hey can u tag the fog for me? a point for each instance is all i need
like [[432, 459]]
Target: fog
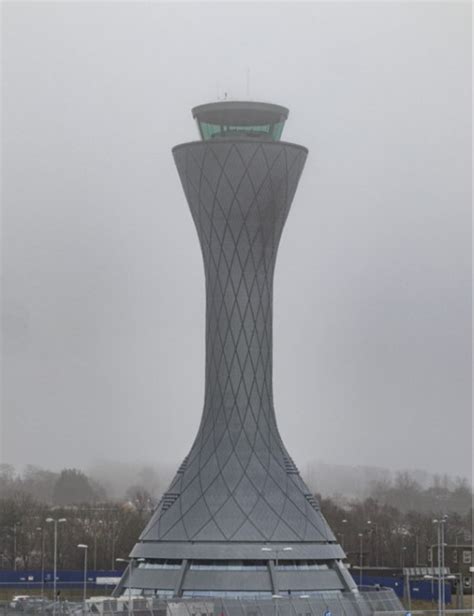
[[103, 284]]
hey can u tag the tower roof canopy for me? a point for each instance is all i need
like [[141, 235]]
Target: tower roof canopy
[[234, 119]]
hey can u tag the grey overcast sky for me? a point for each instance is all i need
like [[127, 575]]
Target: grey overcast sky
[[103, 286]]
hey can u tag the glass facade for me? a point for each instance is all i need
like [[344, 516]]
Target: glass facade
[[229, 565], [230, 594], [160, 564], [221, 131], [233, 565], [301, 565]]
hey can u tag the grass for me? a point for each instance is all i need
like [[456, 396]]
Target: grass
[[432, 605]]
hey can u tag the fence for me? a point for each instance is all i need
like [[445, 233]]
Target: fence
[[320, 604], [427, 613]]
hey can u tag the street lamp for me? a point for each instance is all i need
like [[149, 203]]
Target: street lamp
[[276, 551], [402, 556], [407, 588], [343, 522], [41, 529], [373, 529], [443, 552], [55, 554], [96, 524], [361, 554], [113, 540], [83, 546], [440, 525], [15, 526], [129, 561]]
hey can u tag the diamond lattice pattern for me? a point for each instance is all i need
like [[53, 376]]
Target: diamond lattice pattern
[[238, 482]]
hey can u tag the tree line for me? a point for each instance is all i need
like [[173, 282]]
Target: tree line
[[391, 527]]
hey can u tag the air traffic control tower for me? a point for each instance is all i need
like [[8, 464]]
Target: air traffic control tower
[[237, 519]]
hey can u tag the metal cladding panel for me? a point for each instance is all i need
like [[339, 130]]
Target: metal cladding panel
[[153, 578], [304, 580], [220, 551], [227, 580], [238, 482]]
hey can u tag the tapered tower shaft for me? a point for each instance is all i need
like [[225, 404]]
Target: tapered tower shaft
[[238, 490], [239, 193]]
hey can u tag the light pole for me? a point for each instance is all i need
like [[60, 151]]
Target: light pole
[[407, 587], [373, 529], [113, 538], [130, 562], [343, 522], [96, 524], [438, 542], [15, 526], [402, 557], [431, 577], [55, 554], [361, 554], [41, 528], [276, 551], [440, 525], [443, 587], [83, 546]]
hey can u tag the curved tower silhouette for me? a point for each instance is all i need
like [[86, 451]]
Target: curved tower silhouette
[[237, 519]]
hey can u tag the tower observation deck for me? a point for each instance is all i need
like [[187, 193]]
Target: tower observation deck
[[238, 520], [236, 120]]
